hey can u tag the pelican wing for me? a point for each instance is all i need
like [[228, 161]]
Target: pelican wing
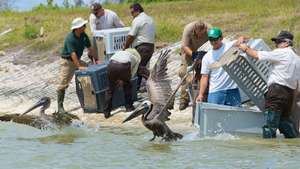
[[158, 84]]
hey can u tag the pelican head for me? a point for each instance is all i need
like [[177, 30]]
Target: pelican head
[[44, 103], [143, 108]]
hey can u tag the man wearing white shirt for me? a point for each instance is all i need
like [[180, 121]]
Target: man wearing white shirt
[[282, 82], [222, 89], [100, 19], [141, 36], [122, 67]]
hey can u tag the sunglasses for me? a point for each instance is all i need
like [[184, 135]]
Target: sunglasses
[[213, 39], [278, 41]]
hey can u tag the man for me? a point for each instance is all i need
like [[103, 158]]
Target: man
[[102, 19], [194, 35], [74, 44], [141, 36], [222, 89], [281, 84], [122, 67]]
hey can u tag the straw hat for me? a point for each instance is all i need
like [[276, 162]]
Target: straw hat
[[77, 23]]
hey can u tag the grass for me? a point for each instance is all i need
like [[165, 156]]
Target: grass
[[254, 18]]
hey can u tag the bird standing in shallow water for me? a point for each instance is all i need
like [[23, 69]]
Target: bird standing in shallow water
[[154, 112], [42, 121]]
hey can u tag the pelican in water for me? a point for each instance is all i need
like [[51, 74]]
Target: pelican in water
[[43, 120], [155, 111]]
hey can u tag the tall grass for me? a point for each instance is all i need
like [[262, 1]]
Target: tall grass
[[255, 18]]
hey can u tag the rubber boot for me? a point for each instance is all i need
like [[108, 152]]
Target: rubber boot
[[287, 128], [60, 101], [272, 120]]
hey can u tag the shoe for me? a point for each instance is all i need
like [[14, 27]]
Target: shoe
[[183, 105], [130, 108]]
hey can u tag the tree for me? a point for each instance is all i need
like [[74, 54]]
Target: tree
[[66, 3], [49, 2], [5, 4], [78, 2]]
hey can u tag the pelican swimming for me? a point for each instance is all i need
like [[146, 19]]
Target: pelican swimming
[[154, 112], [43, 120]]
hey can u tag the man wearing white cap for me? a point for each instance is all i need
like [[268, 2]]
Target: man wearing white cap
[[122, 66], [74, 44]]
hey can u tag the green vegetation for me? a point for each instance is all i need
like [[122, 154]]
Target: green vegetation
[[255, 18]]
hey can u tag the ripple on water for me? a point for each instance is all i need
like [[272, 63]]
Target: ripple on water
[[116, 147]]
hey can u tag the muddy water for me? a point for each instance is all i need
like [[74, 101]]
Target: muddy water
[[102, 145]]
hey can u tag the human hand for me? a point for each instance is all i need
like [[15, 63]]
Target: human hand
[[82, 68], [200, 98], [243, 47], [97, 62], [198, 55]]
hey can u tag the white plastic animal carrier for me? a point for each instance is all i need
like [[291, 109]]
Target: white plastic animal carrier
[[114, 39]]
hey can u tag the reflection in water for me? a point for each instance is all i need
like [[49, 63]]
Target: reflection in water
[[65, 136]]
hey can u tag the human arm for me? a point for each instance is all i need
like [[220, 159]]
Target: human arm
[[92, 21], [117, 22], [92, 55], [129, 41], [76, 61], [203, 86], [248, 50]]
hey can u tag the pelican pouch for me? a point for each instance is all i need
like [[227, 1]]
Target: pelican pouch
[[92, 86]]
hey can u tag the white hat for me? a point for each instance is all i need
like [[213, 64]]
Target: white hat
[[77, 23]]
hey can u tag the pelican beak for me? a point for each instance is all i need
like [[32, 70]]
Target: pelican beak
[[142, 109], [44, 101]]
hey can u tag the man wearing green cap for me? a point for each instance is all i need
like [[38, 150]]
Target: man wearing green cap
[[222, 89], [282, 83]]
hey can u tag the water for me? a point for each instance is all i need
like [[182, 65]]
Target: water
[[126, 147]]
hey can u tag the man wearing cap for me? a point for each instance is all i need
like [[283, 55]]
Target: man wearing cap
[[100, 19], [282, 82], [122, 67], [141, 36], [194, 36], [74, 44], [222, 89]]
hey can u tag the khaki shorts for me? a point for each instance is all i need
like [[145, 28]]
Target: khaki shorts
[[66, 72]]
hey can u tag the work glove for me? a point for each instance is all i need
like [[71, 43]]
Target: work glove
[[198, 55]]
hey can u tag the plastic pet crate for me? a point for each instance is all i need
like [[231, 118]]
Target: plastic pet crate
[[114, 39], [92, 86], [248, 73], [214, 119]]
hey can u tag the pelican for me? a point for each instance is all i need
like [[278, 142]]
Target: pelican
[[154, 111], [43, 120]]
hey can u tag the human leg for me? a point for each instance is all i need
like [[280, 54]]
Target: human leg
[[217, 97], [278, 104], [233, 97], [66, 73], [145, 50]]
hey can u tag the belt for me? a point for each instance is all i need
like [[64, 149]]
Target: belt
[[146, 44], [67, 58], [116, 62]]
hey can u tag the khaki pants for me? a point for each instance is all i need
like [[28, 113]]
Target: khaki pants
[[66, 72], [185, 62]]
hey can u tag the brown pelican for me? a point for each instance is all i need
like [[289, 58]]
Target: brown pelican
[[154, 112], [42, 121]]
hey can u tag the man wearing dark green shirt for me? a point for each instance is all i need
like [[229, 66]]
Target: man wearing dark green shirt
[[75, 42]]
